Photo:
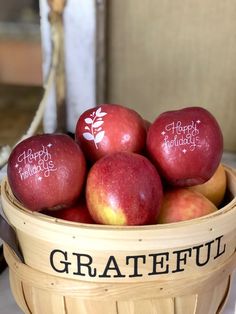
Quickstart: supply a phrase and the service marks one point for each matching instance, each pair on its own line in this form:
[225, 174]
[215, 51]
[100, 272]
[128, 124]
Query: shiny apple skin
[47, 171]
[215, 188]
[186, 145]
[181, 204]
[124, 189]
[75, 213]
[119, 129]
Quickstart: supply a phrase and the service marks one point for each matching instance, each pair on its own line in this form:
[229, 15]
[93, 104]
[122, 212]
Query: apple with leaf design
[123, 187]
[110, 128]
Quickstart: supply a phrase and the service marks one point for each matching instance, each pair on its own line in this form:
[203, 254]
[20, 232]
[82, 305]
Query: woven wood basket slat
[38, 288]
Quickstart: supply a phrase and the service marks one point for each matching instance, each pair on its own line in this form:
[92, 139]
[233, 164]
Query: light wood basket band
[158, 288]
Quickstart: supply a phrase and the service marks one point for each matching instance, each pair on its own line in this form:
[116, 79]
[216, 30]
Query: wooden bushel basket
[180, 268]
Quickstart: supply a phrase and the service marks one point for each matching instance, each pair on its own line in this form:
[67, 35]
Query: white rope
[41, 108]
[5, 151]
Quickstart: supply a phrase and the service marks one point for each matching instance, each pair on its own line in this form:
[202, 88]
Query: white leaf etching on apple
[88, 120]
[97, 124]
[30, 163]
[99, 136]
[88, 136]
[94, 125]
[99, 112]
[176, 134]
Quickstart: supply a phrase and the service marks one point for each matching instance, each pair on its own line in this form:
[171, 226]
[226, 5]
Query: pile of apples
[119, 169]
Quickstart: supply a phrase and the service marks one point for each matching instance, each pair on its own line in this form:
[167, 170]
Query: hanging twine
[51, 80]
[57, 6]
[57, 29]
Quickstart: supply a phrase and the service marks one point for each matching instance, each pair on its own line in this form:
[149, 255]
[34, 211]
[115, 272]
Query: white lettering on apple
[176, 134]
[30, 163]
[94, 131]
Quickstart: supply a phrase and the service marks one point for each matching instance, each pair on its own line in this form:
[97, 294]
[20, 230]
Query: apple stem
[93, 132]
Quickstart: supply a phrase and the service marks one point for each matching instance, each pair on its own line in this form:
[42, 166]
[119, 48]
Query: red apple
[214, 189]
[76, 213]
[110, 128]
[147, 124]
[180, 204]
[47, 171]
[124, 189]
[186, 145]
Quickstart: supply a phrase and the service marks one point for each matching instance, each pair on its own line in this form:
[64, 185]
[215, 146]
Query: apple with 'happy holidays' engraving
[110, 128]
[186, 145]
[47, 171]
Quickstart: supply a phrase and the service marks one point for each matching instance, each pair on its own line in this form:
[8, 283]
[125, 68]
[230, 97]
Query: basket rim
[7, 196]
